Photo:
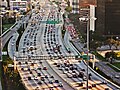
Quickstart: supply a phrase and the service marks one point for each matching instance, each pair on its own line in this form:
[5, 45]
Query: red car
[44, 68]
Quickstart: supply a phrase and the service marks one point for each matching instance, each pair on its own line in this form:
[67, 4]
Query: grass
[6, 26]
[113, 67]
[98, 56]
[117, 64]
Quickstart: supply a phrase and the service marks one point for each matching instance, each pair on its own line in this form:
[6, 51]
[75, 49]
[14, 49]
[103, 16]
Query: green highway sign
[84, 57]
[51, 22]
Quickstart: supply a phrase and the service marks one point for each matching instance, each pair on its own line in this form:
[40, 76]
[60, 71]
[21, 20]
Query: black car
[39, 82]
[56, 81]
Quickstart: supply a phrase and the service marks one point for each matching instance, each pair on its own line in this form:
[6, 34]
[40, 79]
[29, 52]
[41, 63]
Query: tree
[68, 8]
[110, 56]
[117, 44]
[110, 42]
[68, 2]
[95, 44]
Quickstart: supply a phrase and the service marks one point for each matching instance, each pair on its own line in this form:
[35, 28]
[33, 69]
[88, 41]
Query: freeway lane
[43, 39]
[9, 34]
[32, 35]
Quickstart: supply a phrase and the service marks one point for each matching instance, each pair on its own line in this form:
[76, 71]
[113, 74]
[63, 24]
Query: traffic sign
[84, 57]
[52, 22]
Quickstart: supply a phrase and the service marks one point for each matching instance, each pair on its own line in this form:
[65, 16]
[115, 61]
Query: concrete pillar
[15, 63]
[92, 17]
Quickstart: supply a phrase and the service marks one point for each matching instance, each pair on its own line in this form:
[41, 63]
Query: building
[112, 17]
[100, 14]
[22, 5]
[75, 6]
[108, 15]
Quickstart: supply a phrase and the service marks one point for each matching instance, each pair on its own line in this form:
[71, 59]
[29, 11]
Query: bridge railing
[26, 58]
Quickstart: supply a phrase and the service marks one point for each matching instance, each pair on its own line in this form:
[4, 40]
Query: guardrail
[27, 58]
[14, 25]
[102, 76]
[68, 43]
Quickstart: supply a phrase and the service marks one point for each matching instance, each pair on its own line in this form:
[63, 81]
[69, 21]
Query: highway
[44, 61]
[33, 37]
[7, 35]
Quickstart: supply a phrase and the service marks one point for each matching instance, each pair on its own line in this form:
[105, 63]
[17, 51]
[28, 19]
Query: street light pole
[88, 32]
[87, 48]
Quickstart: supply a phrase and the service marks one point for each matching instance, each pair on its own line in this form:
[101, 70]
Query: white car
[60, 84]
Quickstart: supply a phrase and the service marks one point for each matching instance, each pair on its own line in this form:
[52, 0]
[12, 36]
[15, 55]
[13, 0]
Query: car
[64, 72]
[37, 88]
[46, 76]
[117, 76]
[84, 78]
[29, 78]
[75, 67]
[39, 74]
[50, 81]
[82, 69]
[71, 68]
[31, 72]
[39, 82]
[51, 76]
[74, 76]
[80, 84]
[35, 69]
[42, 78]
[69, 75]
[55, 63]
[44, 68]
[60, 84]
[73, 71]
[19, 63]
[39, 68]
[93, 85]
[58, 65]
[104, 82]
[71, 64]
[32, 64]
[66, 68]
[26, 62]
[67, 65]
[56, 81]
[35, 78]
[81, 74]
[60, 68]
[107, 89]
[90, 87]
[22, 69]
[28, 69]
